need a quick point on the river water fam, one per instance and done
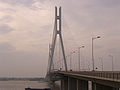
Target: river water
(21, 85)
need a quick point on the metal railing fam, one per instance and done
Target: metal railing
(102, 74)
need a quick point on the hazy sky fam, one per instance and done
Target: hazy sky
(26, 31)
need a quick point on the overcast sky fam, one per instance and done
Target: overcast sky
(26, 31)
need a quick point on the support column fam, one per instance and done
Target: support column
(64, 83)
(72, 83)
(93, 86)
(89, 85)
(82, 85)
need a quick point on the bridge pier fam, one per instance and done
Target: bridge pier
(82, 84)
(64, 83)
(96, 86)
(72, 83)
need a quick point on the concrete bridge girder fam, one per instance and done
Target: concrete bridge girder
(80, 82)
(96, 86)
(70, 83)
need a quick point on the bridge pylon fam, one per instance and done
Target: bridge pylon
(56, 32)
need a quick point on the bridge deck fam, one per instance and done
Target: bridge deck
(106, 78)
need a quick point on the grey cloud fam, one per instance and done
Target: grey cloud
(98, 47)
(16, 2)
(46, 28)
(26, 3)
(6, 47)
(99, 15)
(6, 18)
(109, 3)
(114, 50)
(8, 10)
(4, 28)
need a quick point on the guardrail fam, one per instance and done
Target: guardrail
(103, 74)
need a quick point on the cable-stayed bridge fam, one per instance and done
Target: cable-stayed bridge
(71, 79)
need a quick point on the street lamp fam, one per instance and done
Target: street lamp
(93, 38)
(112, 62)
(79, 55)
(71, 60)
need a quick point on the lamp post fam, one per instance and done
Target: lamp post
(112, 62)
(79, 48)
(71, 60)
(93, 38)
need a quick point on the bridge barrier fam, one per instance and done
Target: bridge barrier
(104, 74)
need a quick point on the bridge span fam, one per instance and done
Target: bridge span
(84, 80)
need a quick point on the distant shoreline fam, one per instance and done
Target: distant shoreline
(22, 79)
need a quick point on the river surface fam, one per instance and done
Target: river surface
(21, 85)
